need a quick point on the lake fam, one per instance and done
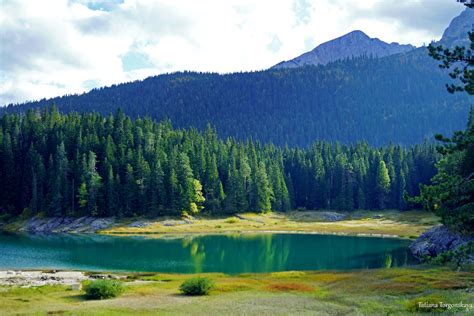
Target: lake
(238, 253)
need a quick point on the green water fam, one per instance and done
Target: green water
(208, 253)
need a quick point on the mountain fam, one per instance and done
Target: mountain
(456, 32)
(398, 99)
(353, 44)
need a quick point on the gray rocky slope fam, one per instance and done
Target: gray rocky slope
(456, 33)
(353, 44)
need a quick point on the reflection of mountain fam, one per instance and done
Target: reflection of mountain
(216, 253)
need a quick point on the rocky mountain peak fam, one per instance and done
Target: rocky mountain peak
(456, 33)
(353, 44)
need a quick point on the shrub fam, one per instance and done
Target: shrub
(458, 256)
(231, 220)
(103, 289)
(26, 214)
(196, 286)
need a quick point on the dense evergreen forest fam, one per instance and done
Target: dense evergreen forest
(89, 164)
(397, 99)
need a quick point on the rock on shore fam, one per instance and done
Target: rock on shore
(85, 224)
(437, 240)
(40, 278)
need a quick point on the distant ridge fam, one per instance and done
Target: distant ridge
(353, 44)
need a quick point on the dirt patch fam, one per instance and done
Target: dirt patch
(288, 287)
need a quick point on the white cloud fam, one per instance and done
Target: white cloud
(57, 47)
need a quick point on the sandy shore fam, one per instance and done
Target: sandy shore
(40, 278)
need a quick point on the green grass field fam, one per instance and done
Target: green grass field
(363, 292)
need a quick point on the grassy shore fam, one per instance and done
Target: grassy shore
(362, 292)
(408, 224)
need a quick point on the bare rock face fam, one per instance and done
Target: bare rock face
(436, 241)
(353, 44)
(456, 33)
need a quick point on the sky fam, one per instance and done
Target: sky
(57, 47)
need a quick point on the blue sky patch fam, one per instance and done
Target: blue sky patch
(100, 5)
(133, 60)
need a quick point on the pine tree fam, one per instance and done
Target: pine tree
(264, 194)
(213, 189)
(94, 181)
(130, 190)
(158, 198)
(197, 199)
(185, 177)
(174, 192)
(382, 184)
(111, 204)
(82, 196)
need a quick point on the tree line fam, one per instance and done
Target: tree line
(89, 164)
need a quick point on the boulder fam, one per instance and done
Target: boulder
(139, 224)
(76, 287)
(437, 240)
(101, 223)
(172, 223)
(332, 216)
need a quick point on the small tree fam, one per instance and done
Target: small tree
(196, 205)
(82, 196)
(382, 184)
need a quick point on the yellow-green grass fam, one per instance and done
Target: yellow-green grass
(408, 224)
(363, 292)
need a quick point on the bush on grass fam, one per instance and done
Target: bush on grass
(196, 286)
(103, 289)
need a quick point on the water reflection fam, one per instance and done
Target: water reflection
(209, 253)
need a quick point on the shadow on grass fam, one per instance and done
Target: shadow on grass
(76, 298)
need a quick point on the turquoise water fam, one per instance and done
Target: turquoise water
(208, 253)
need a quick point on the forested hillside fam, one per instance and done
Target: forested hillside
(88, 164)
(397, 99)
